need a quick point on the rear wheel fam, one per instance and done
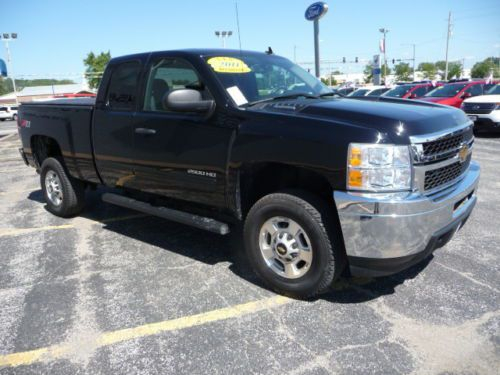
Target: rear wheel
(14, 117)
(65, 196)
(292, 244)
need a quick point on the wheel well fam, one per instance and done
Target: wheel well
(44, 147)
(258, 180)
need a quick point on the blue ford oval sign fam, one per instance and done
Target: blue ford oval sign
(316, 11)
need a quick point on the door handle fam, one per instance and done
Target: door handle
(145, 131)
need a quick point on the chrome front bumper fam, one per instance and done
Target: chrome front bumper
(400, 228)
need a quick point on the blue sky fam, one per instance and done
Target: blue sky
(55, 35)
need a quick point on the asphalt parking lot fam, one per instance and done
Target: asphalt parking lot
(113, 291)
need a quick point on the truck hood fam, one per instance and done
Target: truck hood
(484, 99)
(397, 119)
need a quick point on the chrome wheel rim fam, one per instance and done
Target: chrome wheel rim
(53, 188)
(285, 247)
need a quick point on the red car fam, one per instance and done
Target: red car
(410, 91)
(453, 94)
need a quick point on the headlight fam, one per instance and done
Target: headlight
(374, 167)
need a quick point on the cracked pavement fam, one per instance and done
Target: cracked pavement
(76, 285)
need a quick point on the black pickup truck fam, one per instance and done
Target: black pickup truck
(216, 139)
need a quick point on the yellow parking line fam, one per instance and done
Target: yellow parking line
(4, 232)
(114, 337)
(18, 231)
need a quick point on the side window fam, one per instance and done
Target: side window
(420, 91)
(169, 74)
(122, 89)
(475, 90)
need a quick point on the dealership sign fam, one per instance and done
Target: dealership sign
(3, 68)
(316, 11)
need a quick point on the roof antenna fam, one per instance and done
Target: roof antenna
(269, 51)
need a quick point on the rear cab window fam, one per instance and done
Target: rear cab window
(123, 86)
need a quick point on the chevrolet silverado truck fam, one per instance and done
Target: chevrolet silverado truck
(217, 139)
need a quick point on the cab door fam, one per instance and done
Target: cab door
(178, 155)
(113, 133)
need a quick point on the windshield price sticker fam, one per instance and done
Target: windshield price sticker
(237, 95)
(228, 65)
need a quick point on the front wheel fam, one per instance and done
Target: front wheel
(292, 243)
(65, 196)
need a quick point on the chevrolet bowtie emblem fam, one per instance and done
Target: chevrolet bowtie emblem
(463, 152)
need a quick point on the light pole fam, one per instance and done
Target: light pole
(7, 38)
(223, 35)
(413, 59)
(384, 31)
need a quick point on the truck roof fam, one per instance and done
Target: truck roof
(193, 52)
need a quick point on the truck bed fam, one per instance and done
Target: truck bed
(63, 102)
(69, 121)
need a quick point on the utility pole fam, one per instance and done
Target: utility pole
(448, 35)
(6, 38)
(384, 31)
(414, 77)
(412, 59)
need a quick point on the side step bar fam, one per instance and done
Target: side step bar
(201, 222)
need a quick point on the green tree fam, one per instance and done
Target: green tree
(6, 83)
(428, 70)
(403, 71)
(484, 68)
(454, 69)
(367, 71)
(94, 67)
(329, 80)
(385, 72)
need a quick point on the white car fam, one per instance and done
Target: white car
(484, 110)
(369, 91)
(8, 112)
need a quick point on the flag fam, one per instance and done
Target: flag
(382, 45)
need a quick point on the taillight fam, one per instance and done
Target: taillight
(22, 123)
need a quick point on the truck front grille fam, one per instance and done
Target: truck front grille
(440, 160)
(441, 146)
(446, 146)
(479, 108)
(435, 178)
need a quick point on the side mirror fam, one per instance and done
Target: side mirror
(187, 100)
(466, 95)
(413, 96)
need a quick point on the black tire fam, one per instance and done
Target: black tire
(314, 216)
(14, 117)
(73, 190)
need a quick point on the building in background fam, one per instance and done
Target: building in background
(35, 93)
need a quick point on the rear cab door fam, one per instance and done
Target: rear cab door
(113, 134)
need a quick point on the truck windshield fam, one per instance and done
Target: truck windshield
(398, 91)
(447, 91)
(495, 90)
(250, 78)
